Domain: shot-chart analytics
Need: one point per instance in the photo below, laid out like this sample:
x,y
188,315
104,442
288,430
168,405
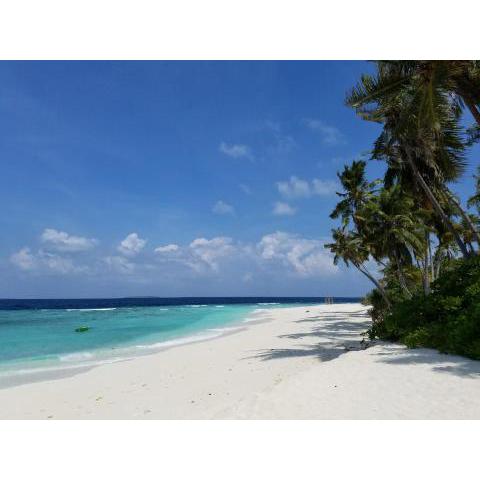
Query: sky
x,y
176,178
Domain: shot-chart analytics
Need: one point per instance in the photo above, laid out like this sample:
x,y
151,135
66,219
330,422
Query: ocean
x,y
41,335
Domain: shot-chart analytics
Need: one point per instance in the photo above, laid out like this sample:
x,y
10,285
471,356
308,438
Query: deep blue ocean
x,y
40,335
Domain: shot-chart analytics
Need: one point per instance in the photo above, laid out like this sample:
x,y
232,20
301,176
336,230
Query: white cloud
x,y
44,262
23,259
223,208
330,135
171,247
119,264
282,208
202,255
59,264
305,256
235,150
211,251
131,245
64,242
274,254
296,187
324,187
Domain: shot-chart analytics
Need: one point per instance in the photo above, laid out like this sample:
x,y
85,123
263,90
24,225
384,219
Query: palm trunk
x,y
426,285
430,257
376,283
438,208
401,276
438,265
463,214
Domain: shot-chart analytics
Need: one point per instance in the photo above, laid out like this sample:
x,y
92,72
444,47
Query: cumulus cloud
x,y
235,150
297,188
282,208
307,257
202,255
120,264
330,135
23,259
45,262
223,208
59,264
324,187
131,245
64,242
275,253
211,251
171,247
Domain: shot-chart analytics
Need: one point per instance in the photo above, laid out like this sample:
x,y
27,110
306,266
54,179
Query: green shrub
x,y
448,319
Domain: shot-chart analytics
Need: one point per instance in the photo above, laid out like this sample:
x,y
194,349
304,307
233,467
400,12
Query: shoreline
x,y
298,363
59,371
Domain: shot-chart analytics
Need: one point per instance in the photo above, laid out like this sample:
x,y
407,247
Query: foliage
x,y
410,223
448,319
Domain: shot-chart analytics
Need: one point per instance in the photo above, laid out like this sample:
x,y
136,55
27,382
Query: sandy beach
x,y
293,363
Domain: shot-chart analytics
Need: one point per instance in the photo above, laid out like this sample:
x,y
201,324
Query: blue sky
x,y
175,178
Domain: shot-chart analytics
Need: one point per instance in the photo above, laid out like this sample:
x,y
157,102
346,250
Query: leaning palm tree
x,y
467,219
357,192
433,154
349,247
423,100
394,230
432,81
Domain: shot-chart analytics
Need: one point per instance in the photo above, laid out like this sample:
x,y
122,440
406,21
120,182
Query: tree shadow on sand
x,y
323,353
336,329
395,354
335,316
338,335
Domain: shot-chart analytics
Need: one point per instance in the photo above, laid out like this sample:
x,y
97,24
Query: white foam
x,y
75,360
179,341
269,303
61,367
225,329
89,309
76,356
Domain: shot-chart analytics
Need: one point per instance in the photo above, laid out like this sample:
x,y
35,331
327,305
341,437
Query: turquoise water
x,y
37,340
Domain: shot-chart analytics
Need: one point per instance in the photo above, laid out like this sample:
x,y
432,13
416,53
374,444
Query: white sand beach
x,y
294,363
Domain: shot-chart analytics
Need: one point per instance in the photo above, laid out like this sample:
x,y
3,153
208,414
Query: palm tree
x,y
349,247
435,88
433,154
357,191
432,81
467,219
393,230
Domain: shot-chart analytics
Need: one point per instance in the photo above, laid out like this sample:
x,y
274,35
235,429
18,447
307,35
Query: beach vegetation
x,y
408,232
